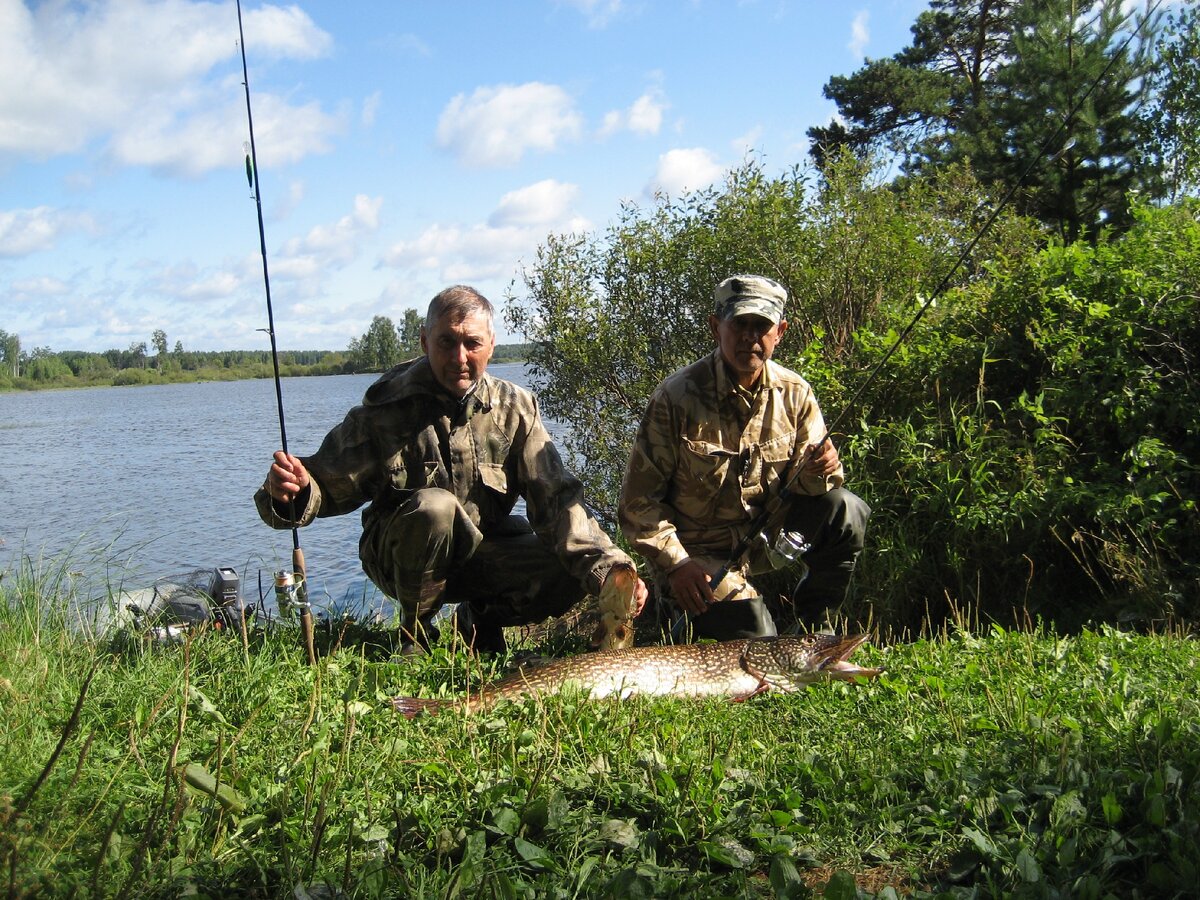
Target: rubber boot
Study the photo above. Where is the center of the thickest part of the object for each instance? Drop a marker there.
(819, 599)
(417, 631)
(480, 635)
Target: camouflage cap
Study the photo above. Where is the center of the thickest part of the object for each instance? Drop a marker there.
(743, 295)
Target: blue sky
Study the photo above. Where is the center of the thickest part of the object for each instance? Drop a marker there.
(403, 146)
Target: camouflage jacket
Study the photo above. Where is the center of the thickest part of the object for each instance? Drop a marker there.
(488, 450)
(695, 479)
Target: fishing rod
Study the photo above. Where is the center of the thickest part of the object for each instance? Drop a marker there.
(297, 590)
(771, 509)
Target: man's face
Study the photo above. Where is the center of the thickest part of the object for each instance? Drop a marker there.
(746, 343)
(459, 350)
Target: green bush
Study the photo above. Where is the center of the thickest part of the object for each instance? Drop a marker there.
(1042, 435)
(609, 317)
(127, 377)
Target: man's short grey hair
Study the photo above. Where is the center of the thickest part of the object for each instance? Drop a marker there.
(458, 302)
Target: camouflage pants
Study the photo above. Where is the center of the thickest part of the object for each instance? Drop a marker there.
(427, 552)
(834, 524)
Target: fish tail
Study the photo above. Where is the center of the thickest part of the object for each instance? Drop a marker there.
(411, 707)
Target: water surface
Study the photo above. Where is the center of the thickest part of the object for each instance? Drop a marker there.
(131, 484)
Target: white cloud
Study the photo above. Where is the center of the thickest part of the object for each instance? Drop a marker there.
(40, 286)
(644, 117)
(26, 231)
(747, 143)
(286, 33)
(138, 74)
(190, 145)
(860, 33)
(327, 246)
(598, 12)
(492, 250)
(290, 202)
(495, 126)
(370, 108)
(185, 281)
(538, 204)
(685, 170)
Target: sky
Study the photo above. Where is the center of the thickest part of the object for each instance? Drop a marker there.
(403, 146)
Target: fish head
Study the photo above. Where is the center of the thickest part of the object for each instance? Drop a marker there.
(792, 662)
(616, 606)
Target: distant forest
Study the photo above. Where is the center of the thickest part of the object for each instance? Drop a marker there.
(43, 368)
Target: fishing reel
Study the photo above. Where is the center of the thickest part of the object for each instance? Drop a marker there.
(786, 550)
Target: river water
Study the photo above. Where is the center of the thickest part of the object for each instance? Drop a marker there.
(120, 486)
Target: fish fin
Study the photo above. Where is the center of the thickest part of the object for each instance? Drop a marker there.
(411, 707)
(762, 688)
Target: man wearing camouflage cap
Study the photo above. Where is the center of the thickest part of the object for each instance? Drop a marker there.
(718, 441)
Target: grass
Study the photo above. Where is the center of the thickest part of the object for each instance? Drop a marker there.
(987, 763)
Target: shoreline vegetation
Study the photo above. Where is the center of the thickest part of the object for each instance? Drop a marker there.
(50, 370)
(985, 761)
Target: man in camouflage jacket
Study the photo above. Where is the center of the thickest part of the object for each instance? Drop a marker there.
(718, 440)
(441, 451)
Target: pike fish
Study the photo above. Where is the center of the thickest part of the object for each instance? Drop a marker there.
(736, 669)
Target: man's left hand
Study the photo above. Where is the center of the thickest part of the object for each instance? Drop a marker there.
(640, 594)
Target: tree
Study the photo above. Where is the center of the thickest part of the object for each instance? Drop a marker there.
(1174, 118)
(136, 356)
(159, 340)
(10, 352)
(379, 348)
(911, 102)
(410, 334)
(991, 82)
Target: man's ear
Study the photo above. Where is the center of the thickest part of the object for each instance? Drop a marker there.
(713, 322)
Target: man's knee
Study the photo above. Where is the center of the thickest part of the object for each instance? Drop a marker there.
(835, 521)
(430, 511)
(423, 537)
(853, 513)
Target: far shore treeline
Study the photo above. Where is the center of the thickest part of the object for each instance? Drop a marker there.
(44, 368)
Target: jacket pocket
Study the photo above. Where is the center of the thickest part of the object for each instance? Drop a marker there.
(494, 477)
(705, 468)
(767, 463)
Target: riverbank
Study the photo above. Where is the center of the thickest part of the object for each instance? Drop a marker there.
(1000, 762)
(57, 371)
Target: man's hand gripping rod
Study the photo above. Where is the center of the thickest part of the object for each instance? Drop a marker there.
(772, 510)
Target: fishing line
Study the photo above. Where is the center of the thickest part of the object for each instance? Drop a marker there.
(763, 519)
(299, 596)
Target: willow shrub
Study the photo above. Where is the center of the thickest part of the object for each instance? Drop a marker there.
(1036, 446)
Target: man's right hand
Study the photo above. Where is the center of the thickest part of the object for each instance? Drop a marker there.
(690, 588)
(287, 478)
